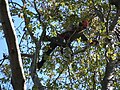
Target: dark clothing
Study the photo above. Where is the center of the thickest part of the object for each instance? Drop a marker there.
(64, 40)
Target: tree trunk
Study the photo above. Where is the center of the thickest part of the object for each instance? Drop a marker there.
(107, 83)
(18, 78)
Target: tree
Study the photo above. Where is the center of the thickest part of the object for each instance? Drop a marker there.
(18, 78)
(83, 65)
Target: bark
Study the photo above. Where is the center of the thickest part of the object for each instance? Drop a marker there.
(34, 75)
(18, 78)
(107, 82)
(35, 58)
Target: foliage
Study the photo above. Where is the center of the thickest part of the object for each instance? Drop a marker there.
(85, 70)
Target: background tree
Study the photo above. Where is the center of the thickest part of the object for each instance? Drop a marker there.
(94, 67)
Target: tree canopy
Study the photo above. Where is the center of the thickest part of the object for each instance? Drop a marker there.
(81, 67)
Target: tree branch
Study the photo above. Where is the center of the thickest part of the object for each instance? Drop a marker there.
(114, 22)
(106, 84)
(35, 58)
(98, 12)
(34, 75)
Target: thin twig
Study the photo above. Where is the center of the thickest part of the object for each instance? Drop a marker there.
(15, 4)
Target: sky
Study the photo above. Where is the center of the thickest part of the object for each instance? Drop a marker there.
(3, 46)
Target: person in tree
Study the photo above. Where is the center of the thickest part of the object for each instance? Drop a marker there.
(64, 39)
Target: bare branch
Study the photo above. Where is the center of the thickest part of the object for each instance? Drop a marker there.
(27, 55)
(39, 16)
(15, 4)
(35, 58)
(34, 75)
(27, 24)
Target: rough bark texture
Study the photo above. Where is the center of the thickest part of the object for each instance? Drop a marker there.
(107, 83)
(108, 78)
(18, 78)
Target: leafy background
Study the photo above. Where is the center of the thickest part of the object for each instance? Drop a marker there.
(87, 69)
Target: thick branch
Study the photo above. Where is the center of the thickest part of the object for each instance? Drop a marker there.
(98, 12)
(35, 58)
(107, 80)
(34, 76)
(114, 22)
(27, 23)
